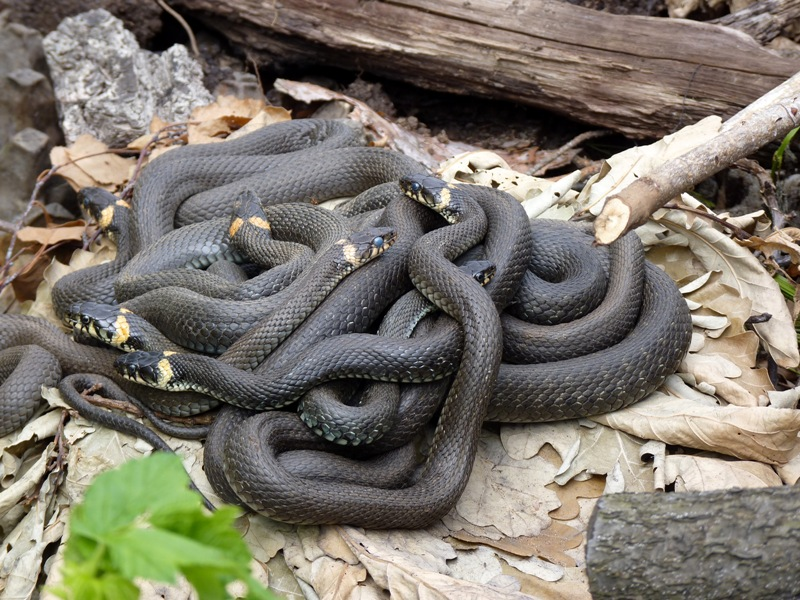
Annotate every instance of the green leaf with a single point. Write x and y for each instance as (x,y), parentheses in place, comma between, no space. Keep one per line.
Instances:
(139,487)
(80,585)
(777,158)
(141,520)
(215,529)
(157,554)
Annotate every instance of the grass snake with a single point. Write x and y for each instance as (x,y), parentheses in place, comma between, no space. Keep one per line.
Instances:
(270,461)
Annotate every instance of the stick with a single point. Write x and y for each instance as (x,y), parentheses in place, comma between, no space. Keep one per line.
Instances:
(767,119)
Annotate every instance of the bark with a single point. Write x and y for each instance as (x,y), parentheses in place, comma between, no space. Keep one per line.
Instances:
(763,20)
(642,76)
(724,544)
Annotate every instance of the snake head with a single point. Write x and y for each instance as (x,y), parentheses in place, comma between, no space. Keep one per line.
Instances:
(148,368)
(248,210)
(106,323)
(434,193)
(361,247)
(481,271)
(102,206)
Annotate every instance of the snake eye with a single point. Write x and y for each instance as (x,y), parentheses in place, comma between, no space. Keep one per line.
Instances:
(86,320)
(378,242)
(416,187)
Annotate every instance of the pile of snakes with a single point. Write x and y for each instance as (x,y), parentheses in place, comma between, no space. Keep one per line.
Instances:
(352,355)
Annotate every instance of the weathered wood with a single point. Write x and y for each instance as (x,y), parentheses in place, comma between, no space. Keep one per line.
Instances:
(642,76)
(721,544)
(763,20)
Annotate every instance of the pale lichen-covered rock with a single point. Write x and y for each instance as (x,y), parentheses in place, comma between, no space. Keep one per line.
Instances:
(109,87)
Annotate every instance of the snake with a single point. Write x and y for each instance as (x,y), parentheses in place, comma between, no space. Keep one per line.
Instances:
(466,340)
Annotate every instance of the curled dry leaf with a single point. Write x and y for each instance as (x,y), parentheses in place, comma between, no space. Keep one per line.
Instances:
(756,433)
(536,194)
(599,451)
(701,473)
(215,121)
(784,240)
(88,163)
(743,273)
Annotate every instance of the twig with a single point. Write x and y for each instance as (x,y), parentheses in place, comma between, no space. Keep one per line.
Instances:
(5,280)
(576,141)
(767,119)
(183,23)
(168,129)
(737,232)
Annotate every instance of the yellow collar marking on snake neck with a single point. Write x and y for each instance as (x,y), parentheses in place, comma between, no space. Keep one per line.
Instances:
(123,204)
(122,331)
(106,216)
(444,194)
(165,370)
(259,222)
(236,224)
(350,252)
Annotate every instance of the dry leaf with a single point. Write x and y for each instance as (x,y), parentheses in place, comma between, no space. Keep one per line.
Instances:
(759,433)
(701,473)
(88,163)
(50,236)
(548,545)
(569,494)
(743,273)
(783,240)
(506,493)
(536,194)
(572,585)
(599,451)
(523,441)
(724,375)
(419,569)
(625,167)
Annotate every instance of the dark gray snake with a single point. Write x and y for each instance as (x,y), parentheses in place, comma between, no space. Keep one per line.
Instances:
(272,462)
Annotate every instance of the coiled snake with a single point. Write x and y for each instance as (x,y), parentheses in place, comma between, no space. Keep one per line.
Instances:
(270,461)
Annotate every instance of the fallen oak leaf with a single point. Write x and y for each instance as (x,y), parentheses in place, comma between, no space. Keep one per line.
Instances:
(89,163)
(548,545)
(759,433)
(569,494)
(50,236)
(742,272)
(702,473)
(725,376)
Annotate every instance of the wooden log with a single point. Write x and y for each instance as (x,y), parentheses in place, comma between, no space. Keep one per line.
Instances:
(642,76)
(740,543)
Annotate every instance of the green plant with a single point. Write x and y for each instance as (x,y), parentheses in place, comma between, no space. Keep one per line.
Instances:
(777,157)
(142,520)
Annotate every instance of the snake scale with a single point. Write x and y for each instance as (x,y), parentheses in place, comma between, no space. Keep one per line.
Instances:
(303,293)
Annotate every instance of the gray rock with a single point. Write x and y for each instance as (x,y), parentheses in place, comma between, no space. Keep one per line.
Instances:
(28,119)
(110,88)
(22,158)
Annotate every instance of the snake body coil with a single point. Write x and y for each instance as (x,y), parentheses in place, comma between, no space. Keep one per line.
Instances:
(299,331)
